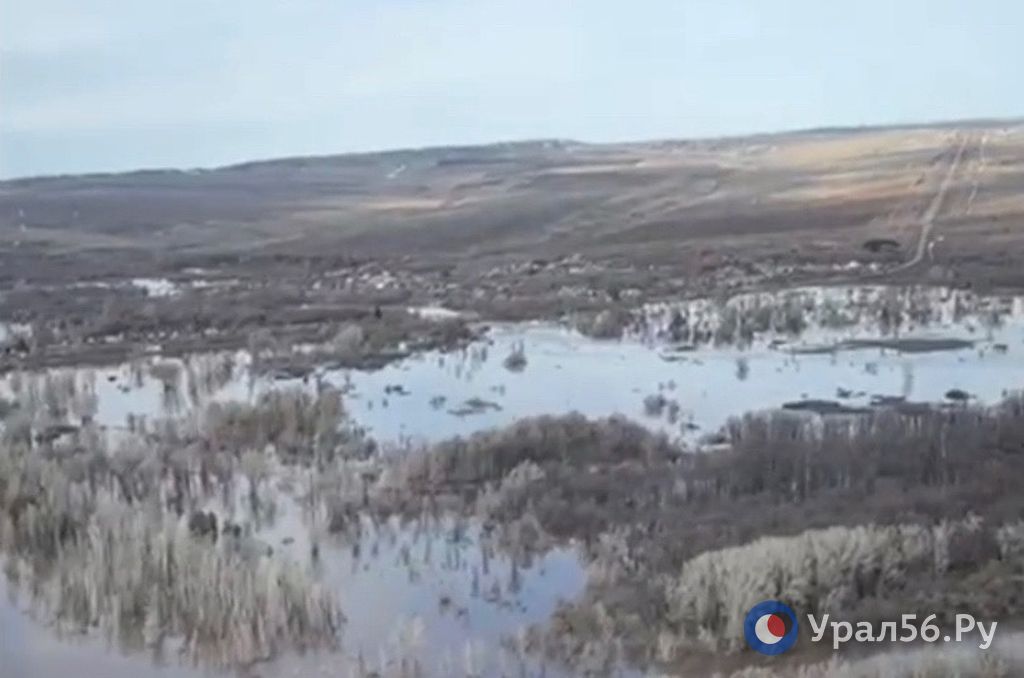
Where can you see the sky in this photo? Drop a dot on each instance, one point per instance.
(112, 85)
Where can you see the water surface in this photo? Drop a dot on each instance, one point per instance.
(435, 594)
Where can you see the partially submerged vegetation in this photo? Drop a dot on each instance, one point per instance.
(290, 330)
(871, 573)
(741, 319)
(369, 344)
(515, 361)
(152, 532)
(106, 538)
(871, 506)
(147, 582)
(900, 505)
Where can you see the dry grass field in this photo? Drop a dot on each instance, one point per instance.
(511, 231)
(803, 200)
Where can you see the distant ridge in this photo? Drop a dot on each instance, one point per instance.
(520, 146)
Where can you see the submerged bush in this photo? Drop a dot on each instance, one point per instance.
(141, 579)
(515, 361)
(489, 456)
(100, 538)
(911, 472)
(818, 572)
(607, 324)
(300, 426)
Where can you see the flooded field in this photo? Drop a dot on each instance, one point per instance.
(845, 349)
(431, 600)
(436, 570)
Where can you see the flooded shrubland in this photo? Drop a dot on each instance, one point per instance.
(535, 502)
(106, 537)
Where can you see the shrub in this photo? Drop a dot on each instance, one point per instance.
(819, 571)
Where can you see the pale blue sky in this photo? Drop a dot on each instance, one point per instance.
(99, 85)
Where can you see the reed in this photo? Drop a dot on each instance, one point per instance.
(98, 538)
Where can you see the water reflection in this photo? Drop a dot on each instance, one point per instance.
(29, 651)
(435, 595)
(862, 342)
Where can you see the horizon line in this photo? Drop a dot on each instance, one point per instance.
(824, 129)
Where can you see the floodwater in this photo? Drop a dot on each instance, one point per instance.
(29, 651)
(568, 372)
(436, 594)
(436, 395)
(439, 597)
(433, 596)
